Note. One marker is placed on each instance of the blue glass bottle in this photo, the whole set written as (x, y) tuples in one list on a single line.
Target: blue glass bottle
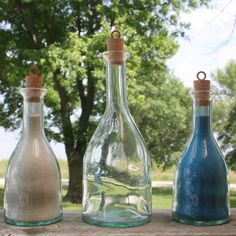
[(201, 193)]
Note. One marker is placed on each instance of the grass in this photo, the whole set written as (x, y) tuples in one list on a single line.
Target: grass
[(157, 173), (168, 175), (64, 169), (162, 197), (3, 167), (69, 205)]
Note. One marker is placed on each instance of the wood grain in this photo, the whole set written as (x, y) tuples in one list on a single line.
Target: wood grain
[(161, 224)]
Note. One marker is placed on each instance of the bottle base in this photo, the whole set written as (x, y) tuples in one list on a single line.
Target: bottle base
[(117, 218), (183, 220), (33, 223)]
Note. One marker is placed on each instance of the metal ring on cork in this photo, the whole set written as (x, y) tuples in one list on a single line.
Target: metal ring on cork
[(202, 89), (33, 70), (201, 83), (33, 79), (33, 85), (201, 73), (113, 34)]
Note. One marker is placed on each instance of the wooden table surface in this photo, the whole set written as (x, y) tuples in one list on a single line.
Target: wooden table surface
[(161, 224)]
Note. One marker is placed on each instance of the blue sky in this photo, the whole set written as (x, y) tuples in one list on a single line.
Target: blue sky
[(211, 44), (212, 41)]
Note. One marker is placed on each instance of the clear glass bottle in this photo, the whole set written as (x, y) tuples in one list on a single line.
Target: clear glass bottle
[(32, 195), (116, 172), (201, 193)]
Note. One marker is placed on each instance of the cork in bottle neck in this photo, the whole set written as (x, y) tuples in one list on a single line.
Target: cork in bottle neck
[(115, 47), (33, 84), (202, 89)]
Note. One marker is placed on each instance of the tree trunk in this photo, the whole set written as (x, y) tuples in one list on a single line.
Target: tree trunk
[(74, 156), (75, 166)]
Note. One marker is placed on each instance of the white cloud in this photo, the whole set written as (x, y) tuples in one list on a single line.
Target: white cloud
[(207, 49)]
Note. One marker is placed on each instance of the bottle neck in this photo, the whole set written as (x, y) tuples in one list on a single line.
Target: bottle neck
[(202, 118), (33, 122), (116, 98)]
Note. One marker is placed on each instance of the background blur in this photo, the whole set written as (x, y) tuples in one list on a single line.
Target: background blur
[(169, 41)]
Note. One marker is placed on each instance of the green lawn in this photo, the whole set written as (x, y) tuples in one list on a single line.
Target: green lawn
[(168, 175), (162, 199), (157, 173), (3, 166)]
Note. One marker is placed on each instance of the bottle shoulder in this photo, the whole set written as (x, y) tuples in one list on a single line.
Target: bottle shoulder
[(118, 127), (117, 136), (202, 150), (203, 141), (33, 153)]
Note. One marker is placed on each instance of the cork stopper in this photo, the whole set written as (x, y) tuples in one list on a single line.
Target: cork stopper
[(115, 47), (34, 82), (202, 89)]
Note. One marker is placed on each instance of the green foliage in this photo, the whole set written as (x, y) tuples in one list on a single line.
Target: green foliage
[(226, 78), (225, 112), (64, 38), (163, 111)]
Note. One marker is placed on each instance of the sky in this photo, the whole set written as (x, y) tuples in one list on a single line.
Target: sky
[(211, 44)]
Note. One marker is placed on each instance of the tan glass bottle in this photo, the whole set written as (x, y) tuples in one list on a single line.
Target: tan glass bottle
[(32, 195)]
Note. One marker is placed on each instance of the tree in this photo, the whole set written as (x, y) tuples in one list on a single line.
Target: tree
[(225, 112), (163, 112), (63, 38)]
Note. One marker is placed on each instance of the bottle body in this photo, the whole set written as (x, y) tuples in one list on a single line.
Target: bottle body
[(116, 171), (116, 179), (32, 194), (201, 193)]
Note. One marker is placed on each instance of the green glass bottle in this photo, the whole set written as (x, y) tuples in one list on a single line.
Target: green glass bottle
[(116, 173)]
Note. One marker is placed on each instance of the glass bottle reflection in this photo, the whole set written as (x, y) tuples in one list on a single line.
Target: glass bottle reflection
[(32, 193), (116, 178), (201, 194)]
